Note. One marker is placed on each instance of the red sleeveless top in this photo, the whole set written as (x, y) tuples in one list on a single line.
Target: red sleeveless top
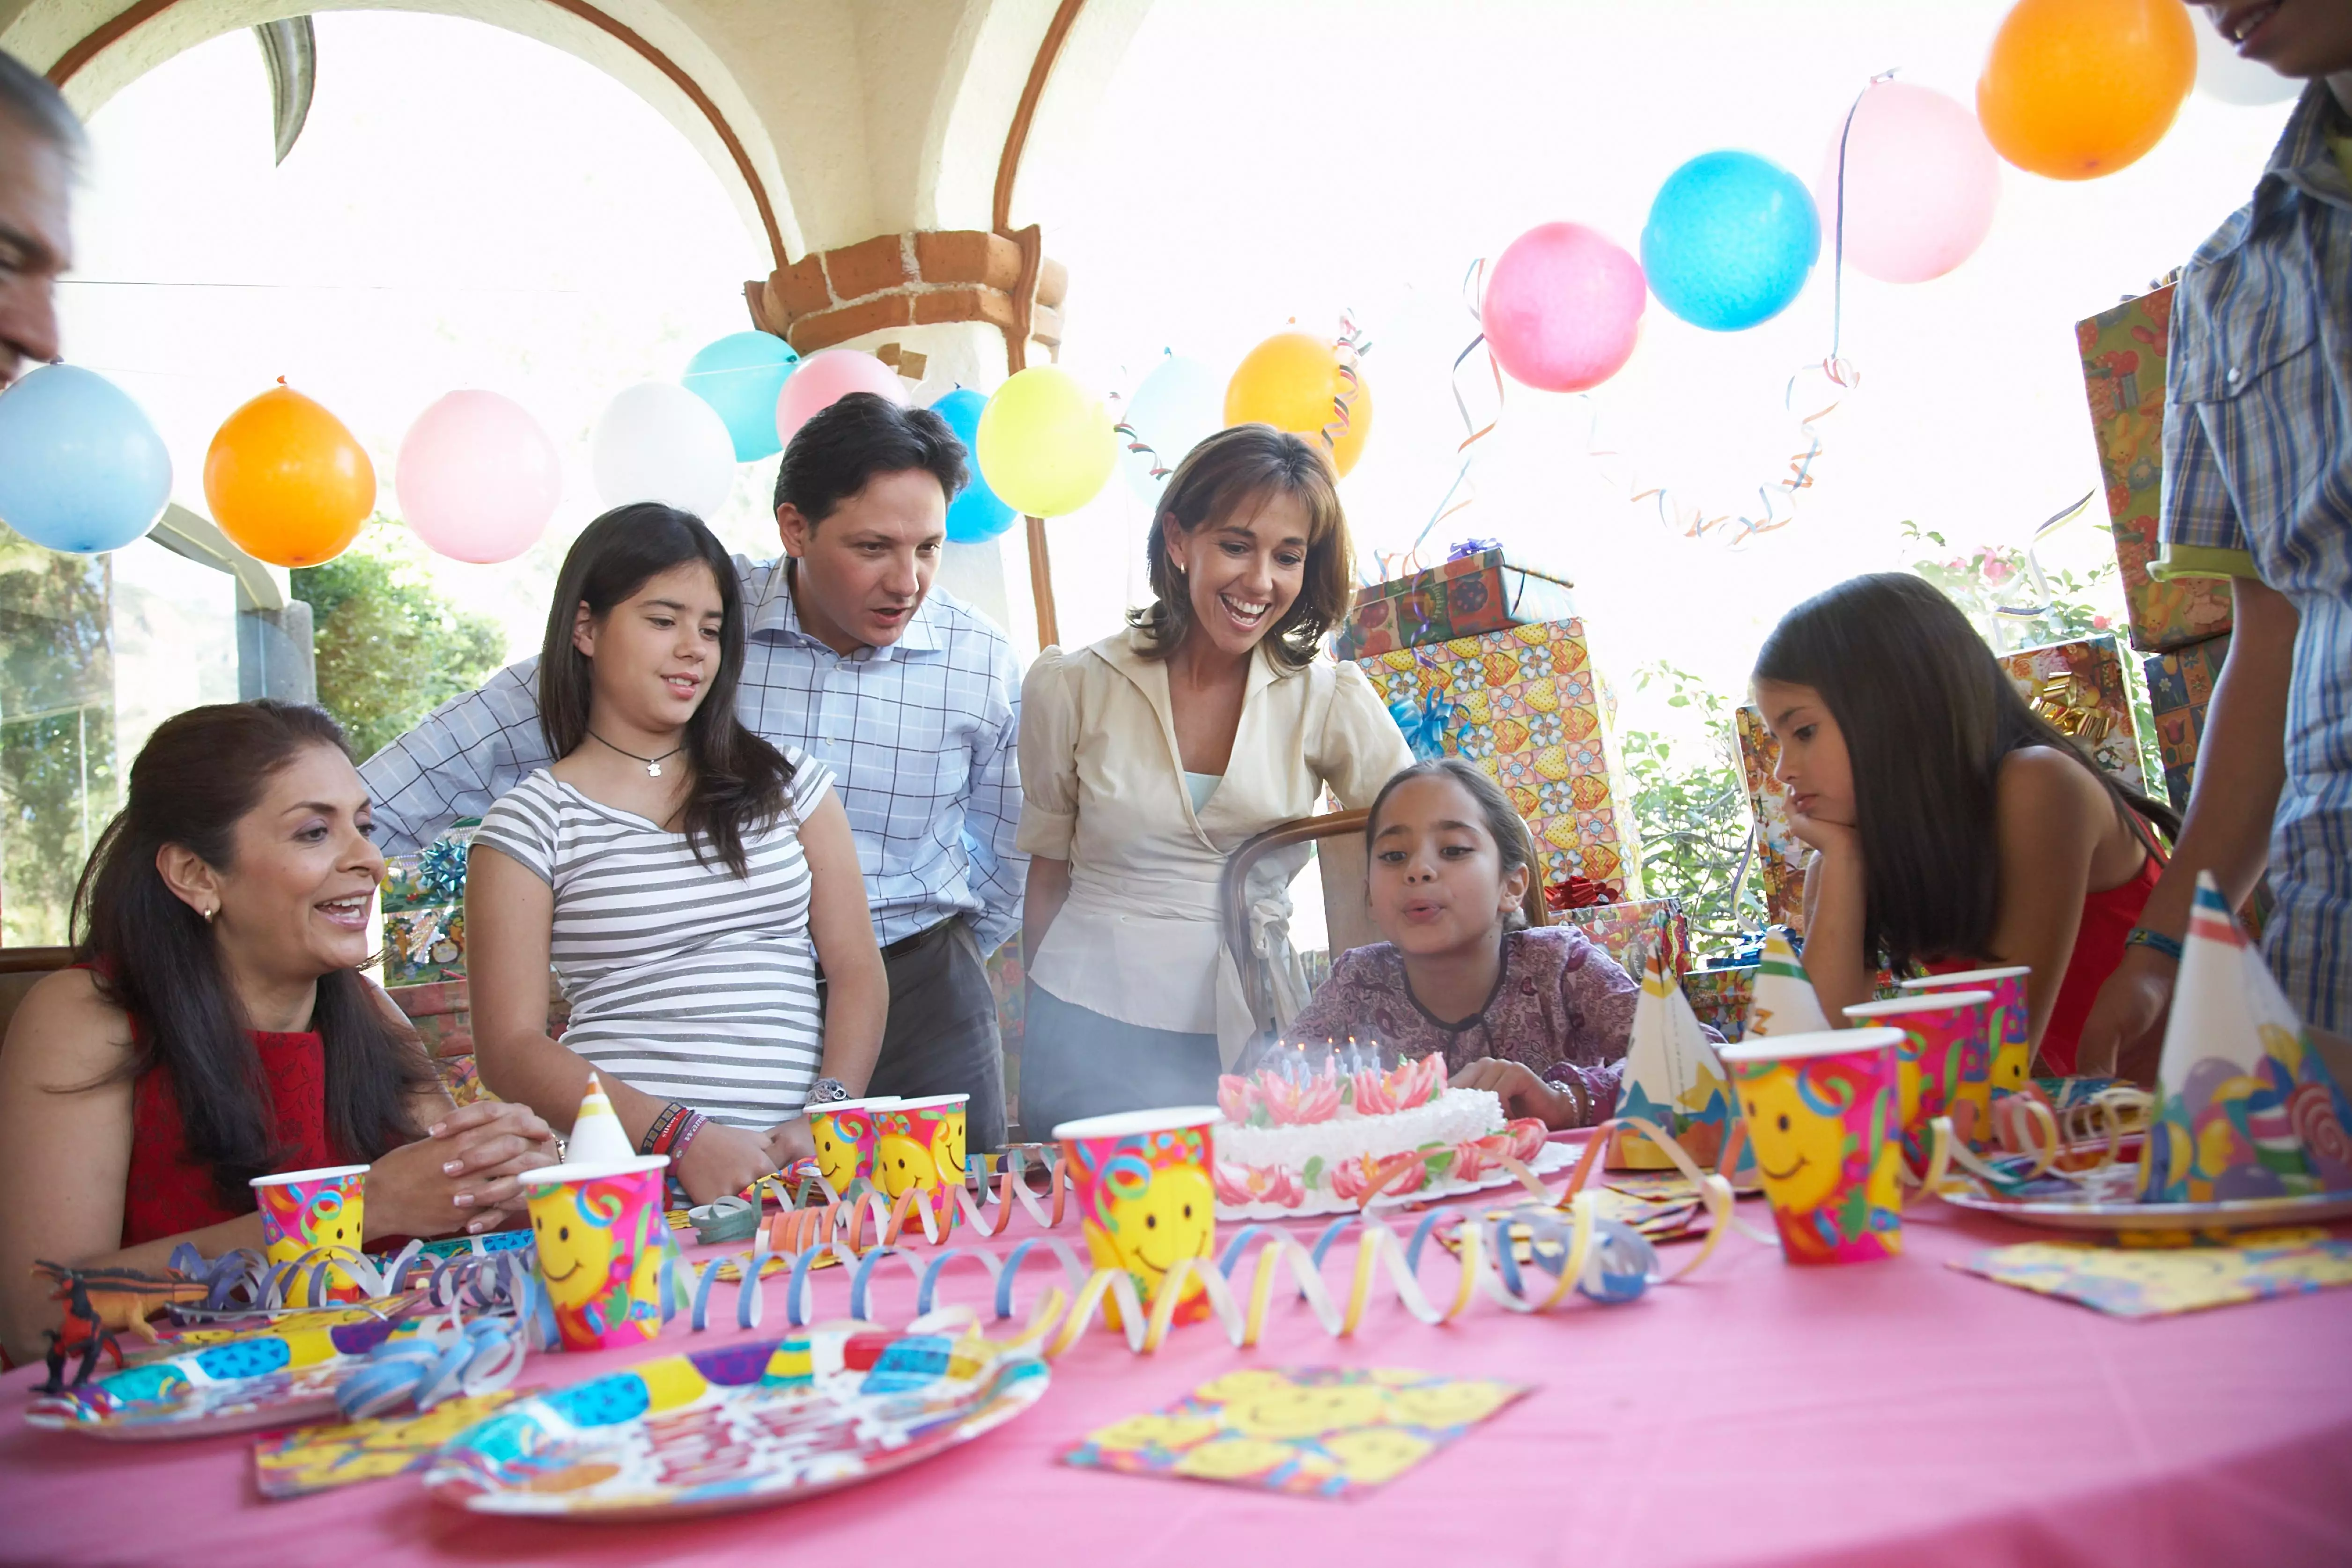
[(168, 1192), (2107, 918)]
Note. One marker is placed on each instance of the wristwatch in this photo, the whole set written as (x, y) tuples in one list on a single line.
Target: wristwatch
[(826, 1091)]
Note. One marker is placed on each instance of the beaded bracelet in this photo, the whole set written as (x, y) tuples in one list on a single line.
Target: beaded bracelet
[(659, 1137)]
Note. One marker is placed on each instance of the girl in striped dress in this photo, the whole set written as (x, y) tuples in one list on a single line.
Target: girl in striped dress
[(684, 878)]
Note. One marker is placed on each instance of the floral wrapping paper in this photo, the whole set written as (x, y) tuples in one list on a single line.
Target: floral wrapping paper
[(1618, 928), (1720, 997), (1478, 593), (2123, 355), (2079, 687), (1779, 865), (1526, 705)]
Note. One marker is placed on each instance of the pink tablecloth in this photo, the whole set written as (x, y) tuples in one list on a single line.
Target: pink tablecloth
[(1893, 1413)]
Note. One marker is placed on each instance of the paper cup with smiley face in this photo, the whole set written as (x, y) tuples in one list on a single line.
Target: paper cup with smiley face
[(2013, 1025), (1944, 1064), (919, 1147), (306, 1213), (1819, 1108), (845, 1131), (601, 1237), (1142, 1180)]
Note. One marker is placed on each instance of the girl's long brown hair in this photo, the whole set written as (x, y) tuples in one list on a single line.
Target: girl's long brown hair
[(738, 779)]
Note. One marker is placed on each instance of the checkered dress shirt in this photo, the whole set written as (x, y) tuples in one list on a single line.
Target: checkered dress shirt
[(920, 735), (2258, 482)]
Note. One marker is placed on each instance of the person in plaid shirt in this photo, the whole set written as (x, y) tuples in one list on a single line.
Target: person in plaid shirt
[(908, 694), (2258, 489)]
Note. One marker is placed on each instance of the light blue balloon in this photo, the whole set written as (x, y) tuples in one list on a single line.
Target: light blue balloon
[(741, 375), (81, 467), (977, 513), (1730, 239)]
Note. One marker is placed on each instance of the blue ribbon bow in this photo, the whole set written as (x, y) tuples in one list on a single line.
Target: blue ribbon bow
[(1425, 726)]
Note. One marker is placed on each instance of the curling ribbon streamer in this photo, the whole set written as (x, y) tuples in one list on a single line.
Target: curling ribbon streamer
[(243, 1281), (1464, 491), (1569, 1240), (1349, 349), (2033, 562), (1776, 499)]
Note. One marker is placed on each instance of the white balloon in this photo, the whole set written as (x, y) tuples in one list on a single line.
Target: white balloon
[(1181, 404), (659, 442), (2223, 75)]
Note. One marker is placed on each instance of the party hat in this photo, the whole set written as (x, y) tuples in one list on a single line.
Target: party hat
[(2245, 1108), (1672, 1077), (1783, 1002), (596, 1133)]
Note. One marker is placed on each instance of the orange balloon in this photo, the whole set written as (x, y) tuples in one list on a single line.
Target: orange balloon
[(1292, 382), (287, 483), (2077, 88)]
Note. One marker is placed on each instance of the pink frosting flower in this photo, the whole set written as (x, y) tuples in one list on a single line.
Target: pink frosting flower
[(1236, 1097)]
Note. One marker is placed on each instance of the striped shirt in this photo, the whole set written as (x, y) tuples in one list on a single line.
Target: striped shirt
[(685, 981), (919, 735), (2258, 482)]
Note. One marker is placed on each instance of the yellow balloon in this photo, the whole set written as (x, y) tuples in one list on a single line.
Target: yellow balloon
[(1046, 444), (1292, 382), (2077, 88), (287, 483)]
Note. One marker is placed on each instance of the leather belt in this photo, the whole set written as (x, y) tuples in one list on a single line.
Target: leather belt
[(905, 945)]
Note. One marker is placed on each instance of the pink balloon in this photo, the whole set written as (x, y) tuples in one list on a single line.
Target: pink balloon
[(478, 478), (1563, 308), (1921, 183), (822, 380)]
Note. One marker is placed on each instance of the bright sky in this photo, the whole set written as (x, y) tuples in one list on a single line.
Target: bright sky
[(467, 208)]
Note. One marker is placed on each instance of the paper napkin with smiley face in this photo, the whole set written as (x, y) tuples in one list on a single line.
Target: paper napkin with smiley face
[(1316, 1431)]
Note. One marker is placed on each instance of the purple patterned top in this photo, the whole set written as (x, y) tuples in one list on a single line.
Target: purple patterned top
[(1561, 1006)]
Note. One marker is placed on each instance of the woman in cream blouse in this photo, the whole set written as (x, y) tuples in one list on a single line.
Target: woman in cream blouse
[(1149, 757)]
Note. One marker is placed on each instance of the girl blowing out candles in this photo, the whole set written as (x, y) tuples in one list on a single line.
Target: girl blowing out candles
[(218, 1027), (1951, 825), (1540, 1017)]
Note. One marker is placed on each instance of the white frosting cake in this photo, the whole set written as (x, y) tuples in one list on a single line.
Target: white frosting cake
[(1455, 1116)]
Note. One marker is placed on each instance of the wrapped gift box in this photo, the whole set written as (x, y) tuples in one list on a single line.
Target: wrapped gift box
[(1478, 593), (2079, 687), (1526, 705), (1780, 866), (1620, 928), (1719, 996), (2123, 369), (424, 901), (2179, 685)]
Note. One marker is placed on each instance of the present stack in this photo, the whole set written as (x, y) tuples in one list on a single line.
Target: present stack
[(1626, 931), (1526, 705), (1476, 591), (424, 899)]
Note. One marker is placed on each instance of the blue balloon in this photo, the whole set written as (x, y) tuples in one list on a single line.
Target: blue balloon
[(81, 467), (741, 375), (977, 513), (1729, 241)]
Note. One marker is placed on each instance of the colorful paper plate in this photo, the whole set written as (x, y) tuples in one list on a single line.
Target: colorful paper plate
[(743, 1425), (1552, 1157), (282, 1376), (2105, 1202)]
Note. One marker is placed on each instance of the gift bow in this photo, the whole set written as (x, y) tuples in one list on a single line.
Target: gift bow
[(441, 870), (1425, 726)]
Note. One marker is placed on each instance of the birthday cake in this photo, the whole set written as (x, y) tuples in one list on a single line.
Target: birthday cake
[(1295, 1137)]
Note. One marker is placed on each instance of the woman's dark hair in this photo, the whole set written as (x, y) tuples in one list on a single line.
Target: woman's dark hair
[(844, 445), (155, 957), (1230, 475), (1928, 717), (738, 779), (1513, 847)]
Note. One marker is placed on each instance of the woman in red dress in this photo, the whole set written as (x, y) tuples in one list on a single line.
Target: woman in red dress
[(218, 1027)]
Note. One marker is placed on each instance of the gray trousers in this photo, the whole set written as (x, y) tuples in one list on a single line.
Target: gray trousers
[(942, 1038)]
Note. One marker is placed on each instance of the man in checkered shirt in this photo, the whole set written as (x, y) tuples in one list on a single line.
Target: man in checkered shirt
[(910, 696)]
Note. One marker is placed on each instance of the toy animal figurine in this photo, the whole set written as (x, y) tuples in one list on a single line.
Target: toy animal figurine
[(99, 1302)]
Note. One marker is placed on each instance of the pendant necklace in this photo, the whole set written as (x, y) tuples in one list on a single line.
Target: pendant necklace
[(653, 763)]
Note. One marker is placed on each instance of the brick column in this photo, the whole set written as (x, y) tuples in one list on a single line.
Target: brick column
[(920, 280)]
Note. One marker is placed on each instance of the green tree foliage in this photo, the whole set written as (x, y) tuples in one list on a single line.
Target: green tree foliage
[(390, 649), (58, 784), (1690, 806)]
